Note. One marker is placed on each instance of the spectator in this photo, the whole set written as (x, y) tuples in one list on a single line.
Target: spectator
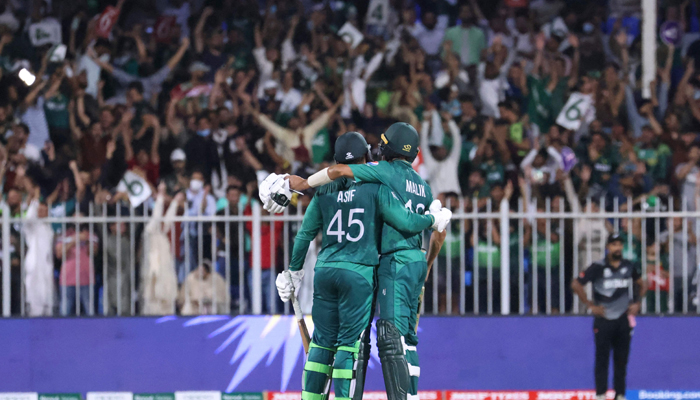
[(546, 254), (658, 278), (30, 151), (38, 262), (688, 174), (210, 53), (270, 240), (440, 162), (203, 292), (177, 180), (467, 39), (201, 149), (297, 140), (682, 247), (152, 84), (489, 159), (230, 242), (602, 159), (119, 261), (200, 203), (77, 274), (591, 233), (159, 281)]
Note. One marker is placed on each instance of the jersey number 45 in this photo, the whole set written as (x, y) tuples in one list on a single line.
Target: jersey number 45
[(340, 233)]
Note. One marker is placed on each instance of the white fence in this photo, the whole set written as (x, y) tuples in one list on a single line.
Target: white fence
[(494, 261)]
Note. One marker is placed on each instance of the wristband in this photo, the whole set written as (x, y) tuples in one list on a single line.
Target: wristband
[(320, 178)]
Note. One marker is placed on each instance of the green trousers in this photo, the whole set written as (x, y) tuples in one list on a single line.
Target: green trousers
[(341, 311), (401, 276)]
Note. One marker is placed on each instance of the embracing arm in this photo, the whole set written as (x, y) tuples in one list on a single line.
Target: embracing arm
[(396, 215), (321, 177)]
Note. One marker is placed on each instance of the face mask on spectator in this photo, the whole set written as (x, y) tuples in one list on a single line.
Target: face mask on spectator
[(204, 132), (196, 185)]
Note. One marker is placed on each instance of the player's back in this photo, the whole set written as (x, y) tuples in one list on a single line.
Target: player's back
[(352, 224), (411, 190)]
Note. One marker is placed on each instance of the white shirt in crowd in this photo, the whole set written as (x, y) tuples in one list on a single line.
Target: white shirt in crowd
[(431, 40), (265, 67), (35, 118), (442, 175), (356, 80), (38, 263), (289, 100), (93, 73), (159, 287)]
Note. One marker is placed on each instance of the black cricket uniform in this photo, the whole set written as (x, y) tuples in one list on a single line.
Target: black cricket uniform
[(614, 289)]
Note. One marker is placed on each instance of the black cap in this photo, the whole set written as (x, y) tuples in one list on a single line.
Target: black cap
[(614, 237), (349, 147)]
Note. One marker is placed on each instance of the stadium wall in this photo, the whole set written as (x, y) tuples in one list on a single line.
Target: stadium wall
[(264, 353)]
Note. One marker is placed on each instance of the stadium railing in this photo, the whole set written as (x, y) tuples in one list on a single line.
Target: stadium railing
[(479, 271)]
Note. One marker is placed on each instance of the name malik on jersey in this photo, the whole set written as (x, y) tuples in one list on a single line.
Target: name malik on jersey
[(415, 188)]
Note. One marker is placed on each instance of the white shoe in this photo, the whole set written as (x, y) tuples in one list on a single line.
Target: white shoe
[(600, 397), (620, 397)]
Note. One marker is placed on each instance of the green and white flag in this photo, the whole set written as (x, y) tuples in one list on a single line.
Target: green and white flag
[(45, 32), (136, 187), (579, 108), (378, 12), (350, 35)]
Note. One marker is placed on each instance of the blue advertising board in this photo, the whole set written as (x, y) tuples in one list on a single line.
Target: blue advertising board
[(264, 353)]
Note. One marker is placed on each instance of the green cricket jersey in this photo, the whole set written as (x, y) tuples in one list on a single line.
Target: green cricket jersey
[(410, 188), (354, 215)]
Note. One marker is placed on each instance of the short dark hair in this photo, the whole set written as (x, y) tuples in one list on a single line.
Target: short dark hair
[(203, 115), (24, 126), (102, 42), (197, 170), (136, 85), (233, 187)]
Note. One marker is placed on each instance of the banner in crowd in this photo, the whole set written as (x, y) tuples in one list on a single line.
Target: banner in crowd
[(162, 30), (106, 21), (45, 32), (578, 109), (136, 187), (264, 353)]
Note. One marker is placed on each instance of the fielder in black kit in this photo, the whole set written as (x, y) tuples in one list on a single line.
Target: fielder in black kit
[(617, 290)]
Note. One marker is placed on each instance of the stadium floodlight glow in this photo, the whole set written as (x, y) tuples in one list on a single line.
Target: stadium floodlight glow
[(27, 77)]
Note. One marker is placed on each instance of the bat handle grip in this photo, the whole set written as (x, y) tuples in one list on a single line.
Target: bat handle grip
[(295, 301)]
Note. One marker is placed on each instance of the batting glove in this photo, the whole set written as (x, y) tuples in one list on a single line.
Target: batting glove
[(285, 288), (275, 193), (442, 218)]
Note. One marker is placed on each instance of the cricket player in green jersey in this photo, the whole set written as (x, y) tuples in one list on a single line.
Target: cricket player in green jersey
[(352, 216), (403, 266)]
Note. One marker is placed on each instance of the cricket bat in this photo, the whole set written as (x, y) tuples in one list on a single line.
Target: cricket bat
[(305, 338), (420, 302)]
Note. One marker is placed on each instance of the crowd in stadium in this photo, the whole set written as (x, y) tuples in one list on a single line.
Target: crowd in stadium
[(538, 100)]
